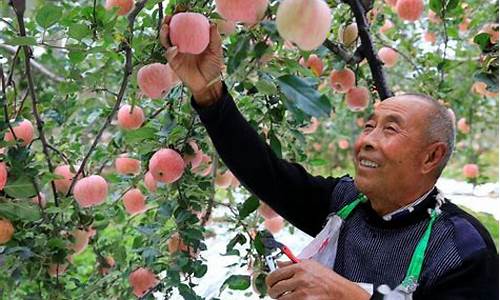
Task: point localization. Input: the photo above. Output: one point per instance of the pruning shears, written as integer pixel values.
(271, 245)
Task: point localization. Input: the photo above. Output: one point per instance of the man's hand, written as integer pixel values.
(201, 73)
(311, 280)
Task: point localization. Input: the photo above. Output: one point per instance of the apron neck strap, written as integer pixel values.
(412, 277)
(346, 210)
(417, 261)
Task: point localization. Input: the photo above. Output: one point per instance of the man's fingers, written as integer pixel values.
(215, 39)
(282, 287)
(166, 19)
(164, 39)
(288, 296)
(282, 273)
(170, 54)
(282, 264)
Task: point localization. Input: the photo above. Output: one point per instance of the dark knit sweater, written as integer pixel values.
(461, 261)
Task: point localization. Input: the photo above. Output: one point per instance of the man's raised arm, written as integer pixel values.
(299, 197)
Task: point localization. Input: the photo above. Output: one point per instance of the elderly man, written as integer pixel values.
(389, 232)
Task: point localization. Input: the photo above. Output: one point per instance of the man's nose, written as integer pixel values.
(369, 140)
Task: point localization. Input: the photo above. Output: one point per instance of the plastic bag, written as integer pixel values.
(323, 248)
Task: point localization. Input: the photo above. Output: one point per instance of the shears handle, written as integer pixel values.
(290, 255)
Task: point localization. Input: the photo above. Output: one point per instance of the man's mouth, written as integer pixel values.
(368, 163)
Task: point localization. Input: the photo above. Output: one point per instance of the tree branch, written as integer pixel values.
(368, 49)
(19, 6)
(160, 19)
(13, 64)
(21, 105)
(35, 65)
(344, 54)
(4, 103)
(211, 201)
(62, 155)
(445, 32)
(127, 71)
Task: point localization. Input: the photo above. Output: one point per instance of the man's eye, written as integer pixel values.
(391, 128)
(368, 126)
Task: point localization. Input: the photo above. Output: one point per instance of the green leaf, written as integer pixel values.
(78, 31)
(22, 41)
(187, 293)
(144, 133)
(318, 162)
(237, 282)
(48, 15)
(248, 207)
(238, 239)
(259, 245)
(275, 144)
(266, 87)
(77, 56)
(436, 5)
(193, 233)
(260, 49)
(200, 270)
(304, 96)
(452, 4)
(260, 284)
(483, 40)
(56, 243)
(239, 53)
(20, 211)
(21, 187)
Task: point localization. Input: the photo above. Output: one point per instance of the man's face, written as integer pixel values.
(388, 154)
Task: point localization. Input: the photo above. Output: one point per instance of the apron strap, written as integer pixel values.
(410, 282)
(412, 277)
(345, 211)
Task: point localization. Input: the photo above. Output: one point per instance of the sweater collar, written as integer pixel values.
(415, 212)
(410, 207)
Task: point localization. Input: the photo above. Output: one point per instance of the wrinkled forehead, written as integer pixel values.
(407, 107)
(407, 110)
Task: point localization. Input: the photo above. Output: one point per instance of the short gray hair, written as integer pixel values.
(440, 128)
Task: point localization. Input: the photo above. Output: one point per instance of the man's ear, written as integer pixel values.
(436, 152)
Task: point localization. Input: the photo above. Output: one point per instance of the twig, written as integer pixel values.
(126, 74)
(208, 213)
(4, 102)
(59, 47)
(94, 21)
(344, 54)
(21, 105)
(105, 90)
(368, 49)
(157, 112)
(8, 24)
(19, 10)
(13, 64)
(445, 31)
(188, 134)
(62, 155)
(39, 198)
(160, 18)
(101, 168)
(36, 65)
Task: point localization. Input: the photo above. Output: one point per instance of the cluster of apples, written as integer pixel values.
(23, 135)
(306, 23)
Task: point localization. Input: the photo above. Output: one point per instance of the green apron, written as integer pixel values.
(324, 247)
